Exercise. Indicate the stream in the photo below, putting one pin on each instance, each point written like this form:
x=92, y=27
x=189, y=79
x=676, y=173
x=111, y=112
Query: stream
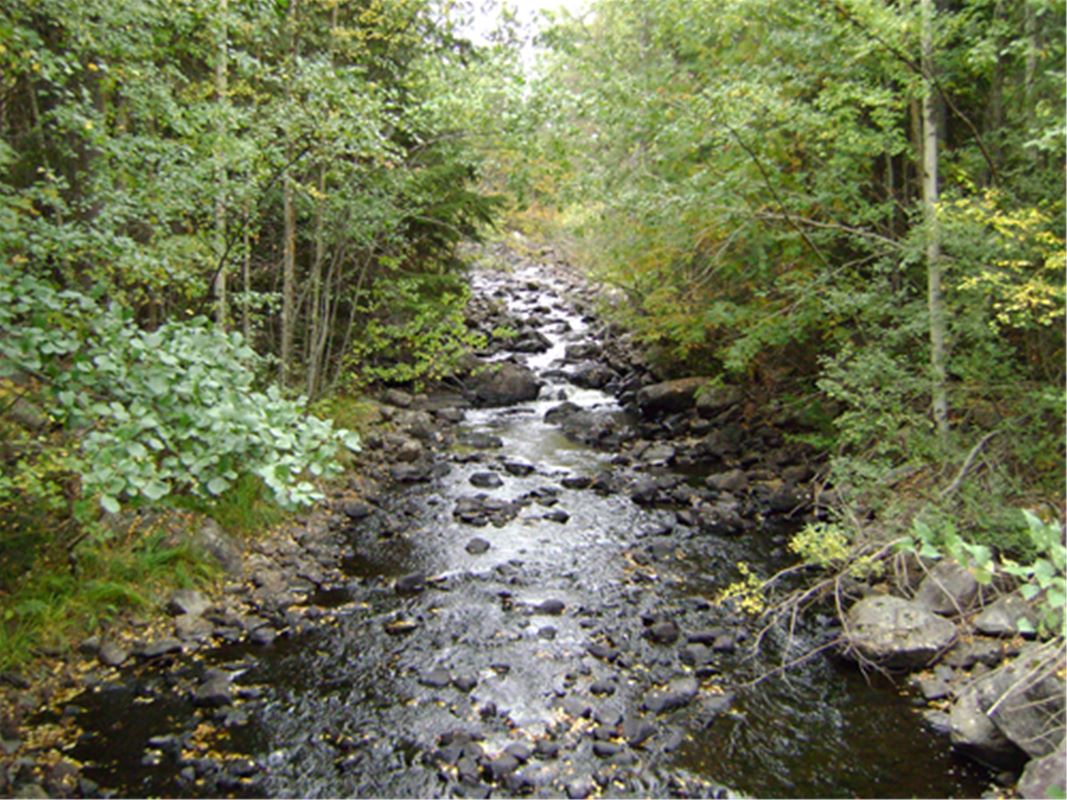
x=533, y=631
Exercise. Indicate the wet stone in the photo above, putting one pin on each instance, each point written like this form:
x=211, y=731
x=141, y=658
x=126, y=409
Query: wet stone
x=214, y=692
x=665, y=632
x=547, y=632
x=161, y=647
x=111, y=655
x=477, y=546
x=606, y=749
x=637, y=731
x=696, y=655
x=502, y=766
x=465, y=682
x=602, y=651
x=436, y=678
x=486, y=480
x=579, y=790
x=602, y=687
x=576, y=482
x=410, y=584
x=519, y=751
x=546, y=748
x=519, y=469
x=556, y=515
x=552, y=606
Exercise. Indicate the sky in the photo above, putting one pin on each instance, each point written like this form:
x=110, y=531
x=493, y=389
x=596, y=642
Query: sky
x=526, y=12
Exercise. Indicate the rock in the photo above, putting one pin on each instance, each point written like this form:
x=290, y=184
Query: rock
x=973, y=732
x=501, y=766
x=411, y=473
x=477, y=546
x=668, y=397
x=576, y=482
x=187, y=601
x=934, y=688
x=581, y=351
x=734, y=480
x=504, y=384
x=591, y=375
x=89, y=646
x=437, y=678
x=579, y=789
x=465, y=682
x=713, y=400
x=214, y=692
x=696, y=655
x=111, y=655
x=896, y=633
x=605, y=749
x=480, y=441
x=678, y=693
x=486, y=480
x=965, y=654
x=546, y=749
x=637, y=731
x=410, y=584
x=1045, y=777
x=261, y=637
x=949, y=588
x=1002, y=617
x=193, y=628
x=211, y=539
x=602, y=687
x=556, y=515
x=552, y=606
x=664, y=632
x=399, y=627
x=356, y=510
x=519, y=751
x=520, y=469
x=1025, y=699
x=162, y=647
x=398, y=398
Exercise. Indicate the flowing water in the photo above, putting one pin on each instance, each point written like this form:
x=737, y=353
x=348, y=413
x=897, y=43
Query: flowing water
x=354, y=708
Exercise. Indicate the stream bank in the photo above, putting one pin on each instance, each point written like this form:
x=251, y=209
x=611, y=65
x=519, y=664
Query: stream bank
x=515, y=597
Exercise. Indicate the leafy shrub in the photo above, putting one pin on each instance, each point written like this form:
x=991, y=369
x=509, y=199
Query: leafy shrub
x=415, y=332
x=161, y=412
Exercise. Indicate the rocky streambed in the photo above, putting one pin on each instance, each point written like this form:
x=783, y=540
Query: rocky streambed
x=517, y=596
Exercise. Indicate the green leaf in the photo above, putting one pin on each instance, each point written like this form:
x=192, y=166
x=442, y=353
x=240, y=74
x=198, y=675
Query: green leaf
x=218, y=485
x=110, y=504
x=154, y=490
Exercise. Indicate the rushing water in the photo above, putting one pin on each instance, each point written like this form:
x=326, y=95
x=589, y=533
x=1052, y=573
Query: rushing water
x=344, y=709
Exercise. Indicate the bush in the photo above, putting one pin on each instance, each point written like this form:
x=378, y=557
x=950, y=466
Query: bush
x=160, y=412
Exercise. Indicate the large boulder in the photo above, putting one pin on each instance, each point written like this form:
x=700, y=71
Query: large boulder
x=668, y=397
x=505, y=383
x=1002, y=617
x=1047, y=776
x=896, y=633
x=713, y=400
x=973, y=732
x=1025, y=698
x=949, y=588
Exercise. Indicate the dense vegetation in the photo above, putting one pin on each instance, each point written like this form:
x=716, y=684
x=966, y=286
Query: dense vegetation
x=213, y=212
x=749, y=175
x=207, y=209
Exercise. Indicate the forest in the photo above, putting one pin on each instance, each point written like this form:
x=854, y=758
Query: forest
x=226, y=224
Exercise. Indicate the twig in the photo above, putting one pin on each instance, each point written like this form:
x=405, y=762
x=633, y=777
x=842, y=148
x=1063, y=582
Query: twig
x=958, y=480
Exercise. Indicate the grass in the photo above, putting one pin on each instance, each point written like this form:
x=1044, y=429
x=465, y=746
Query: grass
x=55, y=604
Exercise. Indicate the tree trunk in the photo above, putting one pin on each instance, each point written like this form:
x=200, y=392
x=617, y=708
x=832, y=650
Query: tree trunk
x=289, y=236
x=938, y=389
x=221, y=66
